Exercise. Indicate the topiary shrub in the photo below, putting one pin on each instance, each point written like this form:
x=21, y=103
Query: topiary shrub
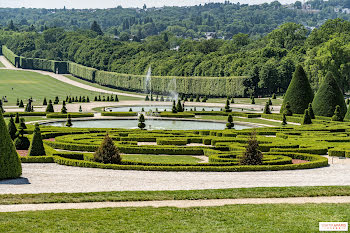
x=288, y=110
x=22, y=142
x=273, y=96
x=299, y=93
x=45, y=102
x=174, y=110
x=227, y=106
x=284, y=120
x=230, y=123
x=107, y=153
x=347, y=115
x=69, y=121
x=253, y=100
x=328, y=97
x=252, y=154
x=337, y=115
x=64, y=109
x=12, y=128
x=36, y=146
x=21, y=105
x=306, y=119
x=10, y=164
x=311, y=111
x=270, y=102
x=49, y=107
x=267, y=108
x=179, y=106
x=17, y=120
x=141, y=124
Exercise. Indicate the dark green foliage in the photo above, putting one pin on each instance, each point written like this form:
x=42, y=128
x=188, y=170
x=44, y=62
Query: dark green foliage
x=17, y=120
x=23, y=123
x=69, y=121
x=116, y=98
x=147, y=98
x=87, y=99
x=45, y=102
x=284, y=120
x=274, y=96
x=337, y=115
x=270, y=102
x=49, y=107
x=267, y=109
x=299, y=93
x=252, y=100
x=17, y=103
x=232, y=101
x=141, y=124
x=328, y=97
x=130, y=109
x=96, y=28
x=21, y=142
x=36, y=146
x=80, y=109
x=288, y=110
x=306, y=119
x=174, y=110
x=64, y=109
x=179, y=106
x=347, y=101
x=95, y=99
x=57, y=100
x=107, y=153
x=227, y=106
x=162, y=99
x=10, y=164
x=311, y=111
x=21, y=105
x=12, y=128
x=347, y=115
x=198, y=99
x=230, y=124
x=252, y=155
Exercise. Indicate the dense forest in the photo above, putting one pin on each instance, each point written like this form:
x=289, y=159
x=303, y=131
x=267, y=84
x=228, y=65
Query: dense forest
x=226, y=19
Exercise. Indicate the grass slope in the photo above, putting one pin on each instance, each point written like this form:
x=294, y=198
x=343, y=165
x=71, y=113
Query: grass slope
x=28, y=84
x=261, y=192
x=234, y=218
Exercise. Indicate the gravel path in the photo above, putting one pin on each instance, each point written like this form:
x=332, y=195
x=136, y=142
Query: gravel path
x=174, y=203
x=54, y=178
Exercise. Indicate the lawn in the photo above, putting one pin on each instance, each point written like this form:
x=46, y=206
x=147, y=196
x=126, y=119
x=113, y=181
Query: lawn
x=1, y=65
x=232, y=218
x=161, y=158
x=26, y=84
x=28, y=119
x=260, y=192
x=238, y=119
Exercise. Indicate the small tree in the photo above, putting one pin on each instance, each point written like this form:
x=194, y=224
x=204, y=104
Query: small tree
x=348, y=101
x=12, y=128
x=252, y=154
x=141, y=124
x=21, y=105
x=198, y=98
x=174, y=110
x=147, y=98
x=116, y=98
x=49, y=107
x=17, y=103
x=311, y=111
x=23, y=123
x=130, y=109
x=232, y=100
x=69, y=121
x=227, y=106
x=107, y=153
x=1, y=108
x=21, y=142
x=57, y=100
x=17, y=120
x=179, y=106
x=273, y=96
x=288, y=110
x=45, y=102
x=252, y=100
x=284, y=120
x=64, y=109
x=267, y=108
x=36, y=146
x=337, y=115
x=270, y=102
x=80, y=109
x=162, y=99
x=96, y=28
x=87, y=99
x=230, y=124
x=306, y=119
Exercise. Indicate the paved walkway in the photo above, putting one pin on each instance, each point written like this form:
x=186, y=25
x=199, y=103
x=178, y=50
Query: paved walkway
x=54, y=178
x=174, y=203
x=64, y=79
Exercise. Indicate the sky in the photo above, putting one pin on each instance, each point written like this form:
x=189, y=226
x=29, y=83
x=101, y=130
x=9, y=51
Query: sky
x=79, y=4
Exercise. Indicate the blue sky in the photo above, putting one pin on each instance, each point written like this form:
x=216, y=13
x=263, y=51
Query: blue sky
x=113, y=3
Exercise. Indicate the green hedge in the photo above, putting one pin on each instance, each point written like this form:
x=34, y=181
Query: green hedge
x=209, y=86
x=72, y=115
x=177, y=115
x=117, y=114
x=13, y=58
x=8, y=114
x=81, y=71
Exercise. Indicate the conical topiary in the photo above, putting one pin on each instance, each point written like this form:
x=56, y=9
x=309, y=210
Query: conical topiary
x=299, y=93
x=328, y=97
x=10, y=164
x=288, y=110
x=273, y=96
x=12, y=128
x=347, y=115
x=230, y=124
x=17, y=120
x=49, y=107
x=174, y=110
x=252, y=155
x=337, y=115
x=306, y=119
x=179, y=106
x=69, y=121
x=36, y=146
x=107, y=152
x=311, y=111
x=45, y=102
x=64, y=109
x=252, y=100
x=284, y=119
x=267, y=108
x=141, y=124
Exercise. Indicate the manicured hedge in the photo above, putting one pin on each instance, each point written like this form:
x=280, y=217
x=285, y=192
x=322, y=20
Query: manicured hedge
x=72, y=115
x=81, y=71
x=209, y=86
x=177, y=115
x=13, y=58
x=8, y=114
x=119, y=114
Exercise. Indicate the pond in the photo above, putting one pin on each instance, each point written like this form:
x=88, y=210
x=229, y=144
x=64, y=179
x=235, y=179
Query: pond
x=150, y=124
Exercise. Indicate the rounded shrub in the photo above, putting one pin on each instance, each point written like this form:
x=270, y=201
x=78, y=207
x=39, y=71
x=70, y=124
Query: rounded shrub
x=22, y=143
x=36, y=146
x=328, y=97
x=306, y=119
x=337, y=115
x=10, y=164
x=107, y=153
x=252, y=154
x=299, y=93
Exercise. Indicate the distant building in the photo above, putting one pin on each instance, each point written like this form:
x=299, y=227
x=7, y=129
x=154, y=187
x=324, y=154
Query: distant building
x=210, y=35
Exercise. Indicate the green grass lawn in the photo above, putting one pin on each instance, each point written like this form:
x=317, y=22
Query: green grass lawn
x=1, y=65
x=29, y=119
x=161, y=158
x=261, y=192
x=237, y=119
x=101, y=87
x=232, y=218
x=28, y=84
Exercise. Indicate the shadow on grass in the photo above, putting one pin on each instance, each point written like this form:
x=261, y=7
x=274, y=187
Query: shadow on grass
x=18, y=181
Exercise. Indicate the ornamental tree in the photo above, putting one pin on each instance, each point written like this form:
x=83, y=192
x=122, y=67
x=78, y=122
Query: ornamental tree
x=107, y=153
x=36, y=146
x=252, y=154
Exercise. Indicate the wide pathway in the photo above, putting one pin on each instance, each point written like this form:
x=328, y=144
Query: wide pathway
x=174, y=203
x=64, y=79
x=54, y=178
